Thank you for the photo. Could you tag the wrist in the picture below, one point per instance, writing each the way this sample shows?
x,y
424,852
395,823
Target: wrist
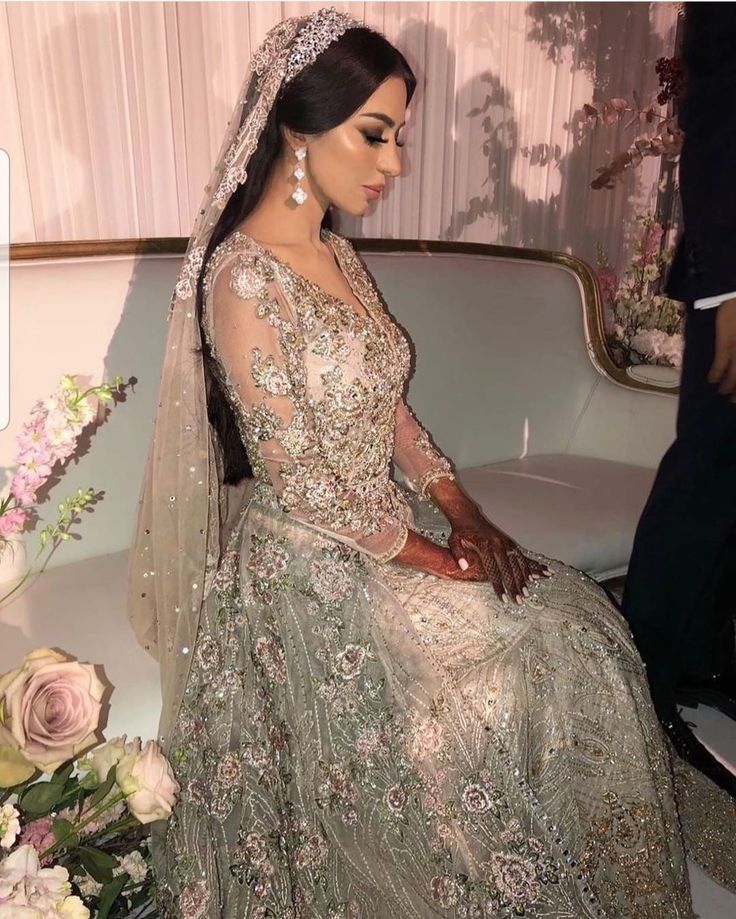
x,y
459,509
418,551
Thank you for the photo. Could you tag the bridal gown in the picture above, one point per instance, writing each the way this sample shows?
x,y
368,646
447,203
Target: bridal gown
x,y
362,740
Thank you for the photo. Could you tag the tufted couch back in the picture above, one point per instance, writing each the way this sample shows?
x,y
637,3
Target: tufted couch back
x,y
504,351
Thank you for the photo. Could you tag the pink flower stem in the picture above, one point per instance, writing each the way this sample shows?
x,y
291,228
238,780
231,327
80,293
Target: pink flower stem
x,y
77,827
30,571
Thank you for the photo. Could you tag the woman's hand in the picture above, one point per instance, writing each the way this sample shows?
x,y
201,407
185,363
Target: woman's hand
x,y
426,555
506,566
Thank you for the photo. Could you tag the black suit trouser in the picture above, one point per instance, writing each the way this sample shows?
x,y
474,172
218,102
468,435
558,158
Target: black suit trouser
x,y
678,596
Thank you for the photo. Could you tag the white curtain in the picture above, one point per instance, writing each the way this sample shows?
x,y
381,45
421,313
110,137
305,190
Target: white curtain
x,y
112,114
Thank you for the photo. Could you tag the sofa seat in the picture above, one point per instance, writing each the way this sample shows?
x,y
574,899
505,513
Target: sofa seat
x,y
580,510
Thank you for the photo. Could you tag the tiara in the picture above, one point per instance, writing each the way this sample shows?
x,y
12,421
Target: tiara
x,y
320,29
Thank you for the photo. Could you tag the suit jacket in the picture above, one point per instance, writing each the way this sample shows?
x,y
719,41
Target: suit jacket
x,y
705,259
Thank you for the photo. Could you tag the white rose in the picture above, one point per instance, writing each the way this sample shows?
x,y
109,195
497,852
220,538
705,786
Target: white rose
x,y
147,780
102,758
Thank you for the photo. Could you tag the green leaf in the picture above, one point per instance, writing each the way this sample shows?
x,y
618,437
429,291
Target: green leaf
x,y
64,833
103,789
110,893
62,774
97,863
41,798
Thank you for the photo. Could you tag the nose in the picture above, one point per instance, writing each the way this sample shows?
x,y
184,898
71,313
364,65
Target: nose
x,y
391,160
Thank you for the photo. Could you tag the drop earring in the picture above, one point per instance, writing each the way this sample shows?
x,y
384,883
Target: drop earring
x,y
299,195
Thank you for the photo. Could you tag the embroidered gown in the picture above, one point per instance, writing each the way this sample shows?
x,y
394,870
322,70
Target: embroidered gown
x,y
363,740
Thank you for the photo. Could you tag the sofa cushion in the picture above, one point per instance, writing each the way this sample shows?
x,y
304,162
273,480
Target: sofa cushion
x,y
581,510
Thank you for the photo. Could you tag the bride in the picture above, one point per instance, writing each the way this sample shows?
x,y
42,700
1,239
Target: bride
x,y
376,703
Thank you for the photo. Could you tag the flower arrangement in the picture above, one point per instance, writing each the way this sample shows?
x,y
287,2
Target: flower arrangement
x,y
667,137
47,439
73,841
646,326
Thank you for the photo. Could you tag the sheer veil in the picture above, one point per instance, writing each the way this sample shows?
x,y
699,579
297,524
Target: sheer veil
x,y
184,506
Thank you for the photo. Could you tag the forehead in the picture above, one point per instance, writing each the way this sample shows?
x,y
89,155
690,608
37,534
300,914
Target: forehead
x,y
388,99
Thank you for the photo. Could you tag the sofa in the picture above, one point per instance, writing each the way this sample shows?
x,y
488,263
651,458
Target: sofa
x,y
557,445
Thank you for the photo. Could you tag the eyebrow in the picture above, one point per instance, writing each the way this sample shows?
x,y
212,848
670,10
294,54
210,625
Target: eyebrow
x,y
381,117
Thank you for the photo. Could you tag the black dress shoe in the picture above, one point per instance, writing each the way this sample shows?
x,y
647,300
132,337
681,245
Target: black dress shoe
x,y
689,748
716,691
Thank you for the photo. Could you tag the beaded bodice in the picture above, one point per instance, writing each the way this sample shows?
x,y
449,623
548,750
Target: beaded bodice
x,y
316,389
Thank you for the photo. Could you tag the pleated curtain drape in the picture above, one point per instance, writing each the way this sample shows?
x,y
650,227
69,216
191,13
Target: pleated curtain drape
x,y
112,114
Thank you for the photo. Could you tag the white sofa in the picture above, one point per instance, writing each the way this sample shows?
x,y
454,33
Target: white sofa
x,y
557,446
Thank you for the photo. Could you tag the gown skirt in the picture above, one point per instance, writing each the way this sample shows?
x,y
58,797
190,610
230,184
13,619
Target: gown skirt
x,y
363,740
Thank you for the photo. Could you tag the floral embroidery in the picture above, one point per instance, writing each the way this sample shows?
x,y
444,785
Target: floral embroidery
x,y
426,738
445,890
270,655
267,561
189,273
477,800
245,279
349,662
227,574
311,853
268,375
337,792
194,900
331,578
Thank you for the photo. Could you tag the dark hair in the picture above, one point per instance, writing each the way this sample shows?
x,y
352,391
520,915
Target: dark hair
x,y
317,99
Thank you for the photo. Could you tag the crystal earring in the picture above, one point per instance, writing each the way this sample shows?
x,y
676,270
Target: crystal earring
x,y
299,195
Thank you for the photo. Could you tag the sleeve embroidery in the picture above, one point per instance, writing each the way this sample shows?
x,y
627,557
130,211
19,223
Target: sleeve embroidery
x,y
296,444
420,462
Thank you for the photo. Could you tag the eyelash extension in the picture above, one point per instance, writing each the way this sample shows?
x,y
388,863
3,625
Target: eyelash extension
x,y
371,139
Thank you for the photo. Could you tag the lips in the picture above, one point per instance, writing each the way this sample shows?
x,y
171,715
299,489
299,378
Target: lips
x,y
376,188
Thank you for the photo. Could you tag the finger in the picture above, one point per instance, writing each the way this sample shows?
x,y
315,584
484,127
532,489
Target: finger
x,y
522,571
489,564
513,590
539,569
516,561
458,553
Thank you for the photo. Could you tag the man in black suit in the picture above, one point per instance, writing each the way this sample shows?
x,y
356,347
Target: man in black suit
x,y
679,594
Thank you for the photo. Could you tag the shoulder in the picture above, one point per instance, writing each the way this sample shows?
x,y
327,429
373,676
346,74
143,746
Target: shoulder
x,y
238,263
342,241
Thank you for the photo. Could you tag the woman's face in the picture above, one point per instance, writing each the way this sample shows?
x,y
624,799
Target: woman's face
x,y
361,151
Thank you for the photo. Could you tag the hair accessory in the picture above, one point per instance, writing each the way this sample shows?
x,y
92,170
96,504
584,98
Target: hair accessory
x,y
319,32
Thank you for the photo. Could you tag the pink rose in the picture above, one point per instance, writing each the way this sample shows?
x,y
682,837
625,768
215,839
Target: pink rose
x,y
147,780
13,521
51,706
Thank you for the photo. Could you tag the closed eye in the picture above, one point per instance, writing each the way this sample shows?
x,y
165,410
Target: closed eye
x,y
373,139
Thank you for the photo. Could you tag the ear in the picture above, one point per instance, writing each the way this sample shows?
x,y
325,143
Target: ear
x,y
292,139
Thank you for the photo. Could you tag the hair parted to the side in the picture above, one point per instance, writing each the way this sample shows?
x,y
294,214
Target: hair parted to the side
x,y
319,98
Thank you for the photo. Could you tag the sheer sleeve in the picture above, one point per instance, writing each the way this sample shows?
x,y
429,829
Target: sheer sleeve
x,y
420,463
260,352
